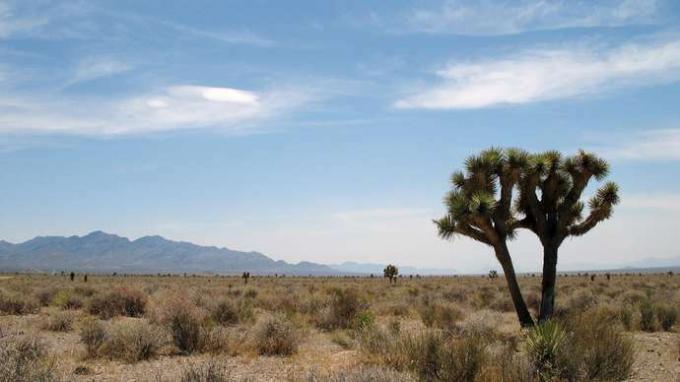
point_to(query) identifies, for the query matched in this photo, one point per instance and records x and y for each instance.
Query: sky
(327, 131)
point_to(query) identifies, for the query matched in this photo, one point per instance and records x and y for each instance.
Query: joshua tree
(245, 276)
(480, 207)
(550, 193)
(85, 278)
(493, 274)
(71, 276)
(391, 273)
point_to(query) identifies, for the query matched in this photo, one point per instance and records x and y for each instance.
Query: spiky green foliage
(479, 206)
(480, 203)
(391, 272)
(551, 190)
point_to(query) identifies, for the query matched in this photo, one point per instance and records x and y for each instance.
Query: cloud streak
(541, 75)
(172, 108)
(650, 145)
(496, 18)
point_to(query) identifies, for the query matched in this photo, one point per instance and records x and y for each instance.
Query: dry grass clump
(131, 341)
(667, 315)
(67, 299)
(434, 356)
(585, 348)
(275, 335)
(184, 320)
(119, 302)
(209, 371)
(342, 309)
(14, 304)
(92, 335)
(361, 374)
(59, 321)
(434, 314)
(23, 360)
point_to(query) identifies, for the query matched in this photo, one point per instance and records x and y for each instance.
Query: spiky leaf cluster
(480, 203)
(550, 192)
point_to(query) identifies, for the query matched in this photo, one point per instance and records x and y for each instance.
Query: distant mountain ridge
(102, 252)
(377, 269)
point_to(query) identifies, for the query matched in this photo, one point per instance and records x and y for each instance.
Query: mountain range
(100, 252)
(103, 252)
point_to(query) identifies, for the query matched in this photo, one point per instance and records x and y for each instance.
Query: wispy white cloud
(172, 108)
(650, 145)
(540, 75)
(510, 17)
(91, 68)
(231, 37)
(11, 24)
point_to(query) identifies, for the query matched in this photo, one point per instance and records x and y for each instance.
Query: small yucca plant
(544, 343)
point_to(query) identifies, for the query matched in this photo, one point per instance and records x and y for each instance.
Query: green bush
(544, 344)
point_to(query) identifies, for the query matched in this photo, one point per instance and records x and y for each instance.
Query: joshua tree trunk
(503, 256)
(548, 285)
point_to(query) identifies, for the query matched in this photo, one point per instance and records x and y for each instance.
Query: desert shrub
(506, 364)
(342, 339)
(92, 335)
(667, 316)
(66, 299)
(132, 341)
(437, 315)
(45, 296)
(119, 302)
(585, 347)
(275, 335)
(600, 347)
(625, 316)
(342, 309)
(435, 357)
(361, 374)
(647, 316)
(225, 312)
(59, 322)
(15, 304)
(23, 360)
(209, 371)
(215, 340)
(184, 321)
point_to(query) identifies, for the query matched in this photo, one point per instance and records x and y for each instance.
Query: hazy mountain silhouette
(103, 252)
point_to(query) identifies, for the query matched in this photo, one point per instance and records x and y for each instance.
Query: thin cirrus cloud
(540, 75)
(92, 68)
(650, 145)
(500, 18)
(171, 108)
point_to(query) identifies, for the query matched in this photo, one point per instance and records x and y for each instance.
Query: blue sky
(326, 131)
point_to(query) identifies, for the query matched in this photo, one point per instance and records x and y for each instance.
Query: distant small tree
(85, 278)
(245, 276)
(72, 276)
(493, 274)
(391, 273)
(550, 193)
